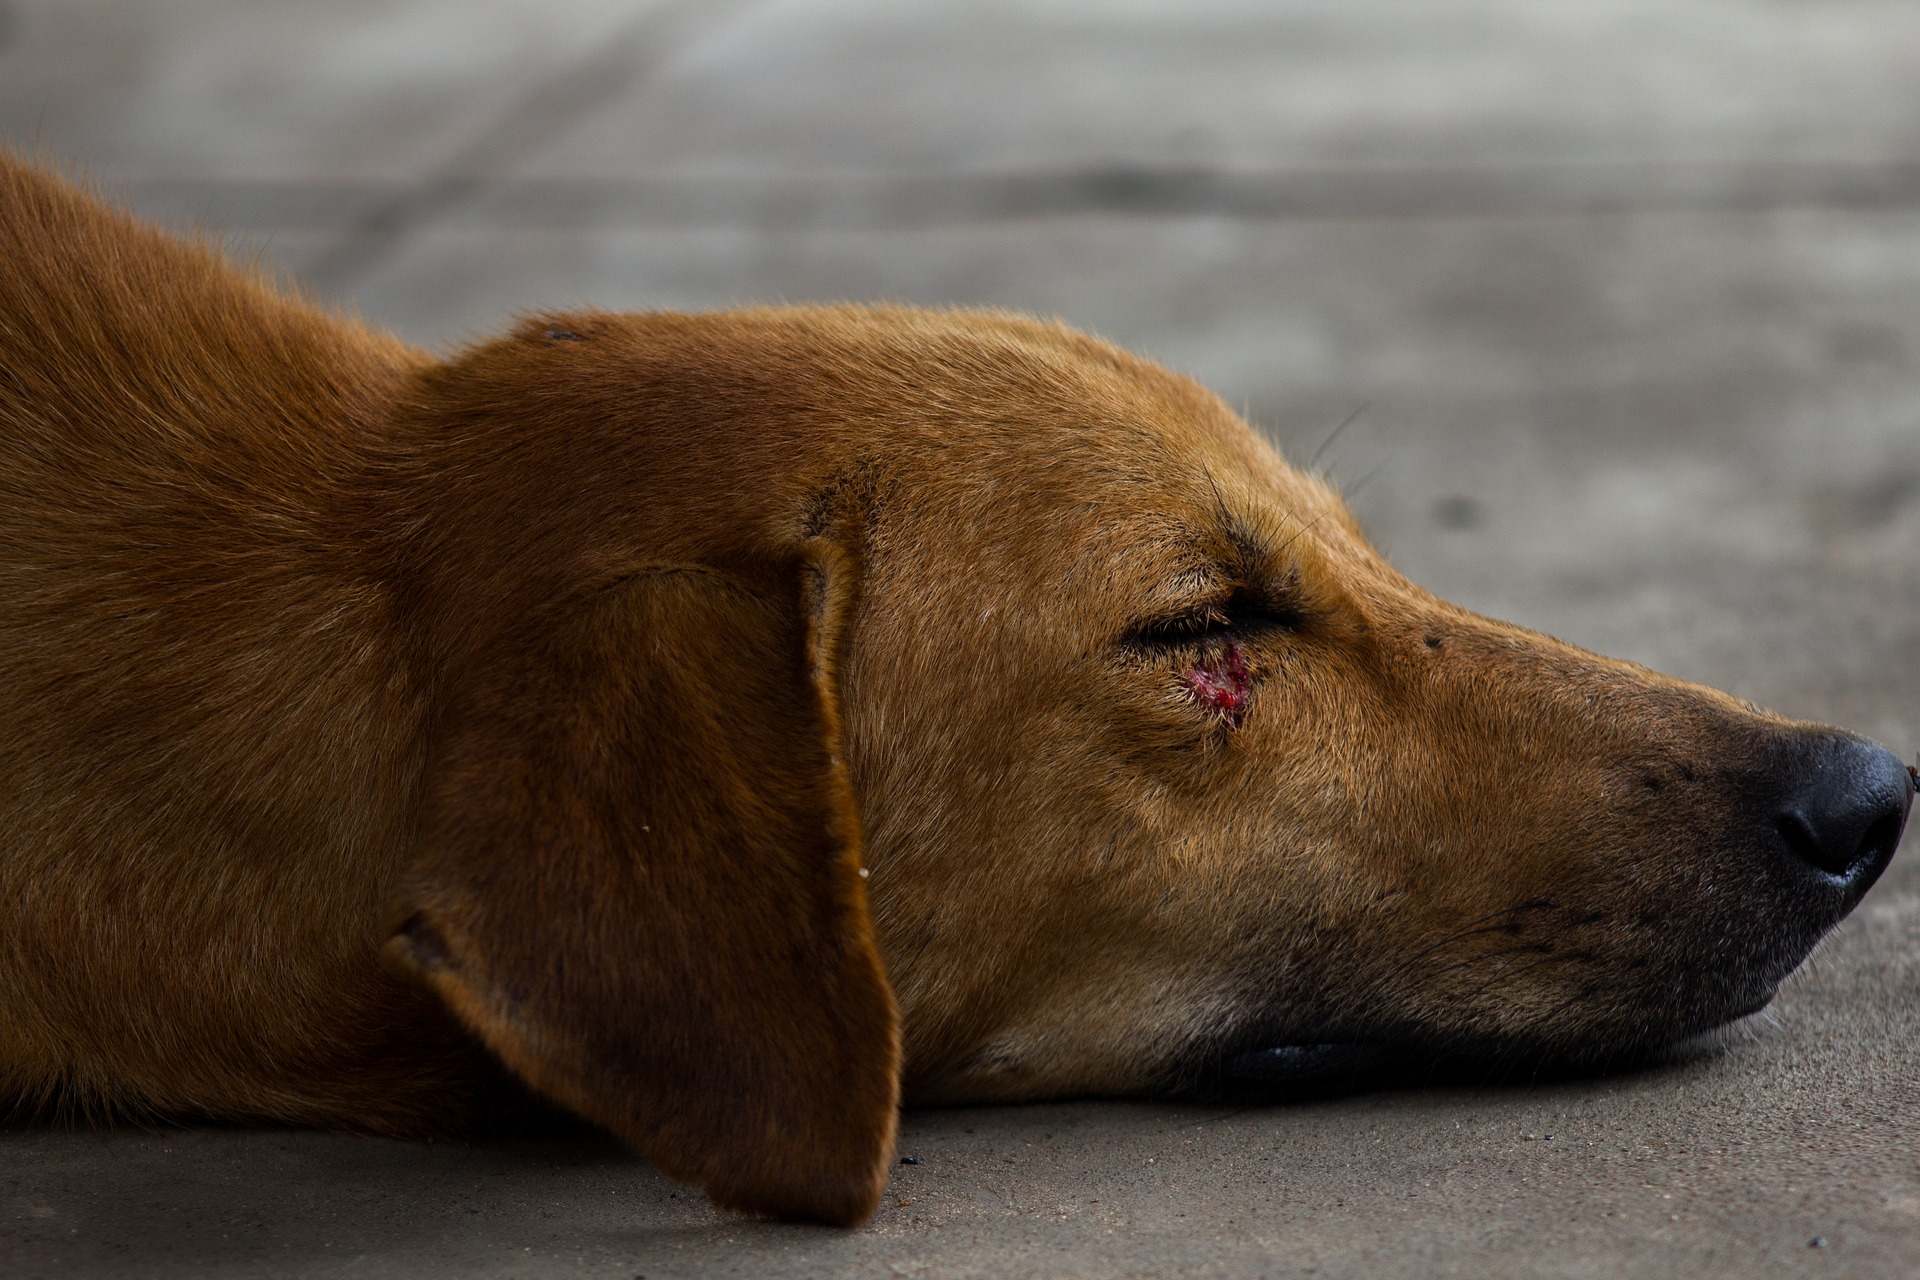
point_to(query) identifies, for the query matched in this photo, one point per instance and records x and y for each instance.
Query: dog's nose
(1844, 812)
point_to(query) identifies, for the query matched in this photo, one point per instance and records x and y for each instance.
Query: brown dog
(372, 723)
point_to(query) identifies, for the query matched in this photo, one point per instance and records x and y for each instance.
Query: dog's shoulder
(131, 350)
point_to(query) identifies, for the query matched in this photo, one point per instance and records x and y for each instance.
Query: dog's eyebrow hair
(1249, 547)
(1185, 574)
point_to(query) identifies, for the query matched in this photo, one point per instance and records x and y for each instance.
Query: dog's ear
(641, 887)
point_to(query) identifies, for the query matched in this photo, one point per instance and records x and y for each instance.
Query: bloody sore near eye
(1220, 680)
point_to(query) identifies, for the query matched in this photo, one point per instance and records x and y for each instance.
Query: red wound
(1221, 681)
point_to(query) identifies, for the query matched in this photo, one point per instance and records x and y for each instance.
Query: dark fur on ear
(641, 886)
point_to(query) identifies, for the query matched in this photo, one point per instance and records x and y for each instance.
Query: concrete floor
(1631, 291)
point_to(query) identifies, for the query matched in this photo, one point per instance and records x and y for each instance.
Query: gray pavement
(1631, 292)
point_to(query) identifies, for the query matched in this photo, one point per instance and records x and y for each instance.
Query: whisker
(1299, 533)
(1349, 491)
(1345, 422)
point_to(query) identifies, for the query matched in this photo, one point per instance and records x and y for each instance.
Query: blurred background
(1626, 292)
(1622, 296)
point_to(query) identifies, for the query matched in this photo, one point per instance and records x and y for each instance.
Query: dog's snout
(1844, 808)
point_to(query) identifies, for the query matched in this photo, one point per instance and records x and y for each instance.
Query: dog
(718, 727)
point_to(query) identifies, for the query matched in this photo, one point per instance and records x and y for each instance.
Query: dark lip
(1300, 1070)
(1324, 1068)
(1309, 1065)
(1312, 1072)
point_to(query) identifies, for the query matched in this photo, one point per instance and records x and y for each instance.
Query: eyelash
(1185, 629)
(1239, 614)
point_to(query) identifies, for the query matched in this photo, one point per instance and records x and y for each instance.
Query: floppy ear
(641, 887)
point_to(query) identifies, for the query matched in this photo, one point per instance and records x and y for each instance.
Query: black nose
(1845, 809)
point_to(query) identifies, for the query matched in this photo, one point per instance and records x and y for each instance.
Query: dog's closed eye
(1242, 611)
(1206, 640)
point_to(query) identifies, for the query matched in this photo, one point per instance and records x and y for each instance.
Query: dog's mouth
(1298, 1071)
(1309, 1067)
(1303, 1072)
(1311, 1070)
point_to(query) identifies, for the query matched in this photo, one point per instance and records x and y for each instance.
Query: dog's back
(176, 440)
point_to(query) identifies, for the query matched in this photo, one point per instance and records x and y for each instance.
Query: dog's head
(795, 667)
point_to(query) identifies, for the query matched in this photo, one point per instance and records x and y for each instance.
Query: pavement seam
(617, 69)
(383, 215)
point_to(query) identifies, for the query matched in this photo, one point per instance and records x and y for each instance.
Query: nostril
(1840, 857)
(1798, 834)
(1882, 838)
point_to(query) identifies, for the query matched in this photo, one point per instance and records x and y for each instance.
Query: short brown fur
(387, 736)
